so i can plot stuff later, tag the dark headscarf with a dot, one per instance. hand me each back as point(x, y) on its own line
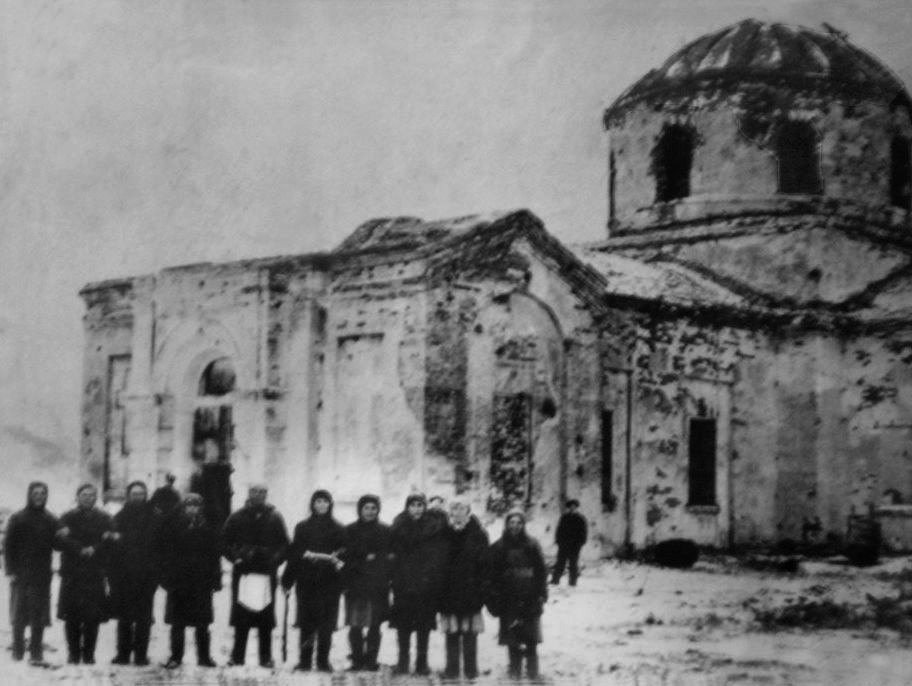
point(326, 495)
point(368, 498)
point(28, 494)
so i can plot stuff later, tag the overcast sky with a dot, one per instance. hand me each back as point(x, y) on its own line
point(139, 134)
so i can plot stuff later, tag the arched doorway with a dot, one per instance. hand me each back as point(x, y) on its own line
point(212, 438)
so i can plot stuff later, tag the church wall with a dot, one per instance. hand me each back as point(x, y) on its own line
point(107, 327)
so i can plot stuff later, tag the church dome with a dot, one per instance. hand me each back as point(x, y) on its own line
point(818, 64)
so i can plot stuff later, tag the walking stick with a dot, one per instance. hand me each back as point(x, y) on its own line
point(285, 628)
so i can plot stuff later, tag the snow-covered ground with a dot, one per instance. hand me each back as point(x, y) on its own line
point(625, 623)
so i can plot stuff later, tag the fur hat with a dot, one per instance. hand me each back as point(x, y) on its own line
point(573, 502)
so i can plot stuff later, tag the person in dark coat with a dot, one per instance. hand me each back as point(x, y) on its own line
point(570, 537)
point(83, 601)
point(314, 566)
point(213, 482)
point(191, 573)
point(464, 590)
point(420, 547)
point(368, 566)
point(133, 573)
point(519, 590)
point(256, 541)
point(165, 500)
point(30, 541)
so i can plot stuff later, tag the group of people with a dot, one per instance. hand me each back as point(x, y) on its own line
point(432, 567)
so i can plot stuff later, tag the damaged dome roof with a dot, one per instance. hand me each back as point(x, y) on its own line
point(821, 63)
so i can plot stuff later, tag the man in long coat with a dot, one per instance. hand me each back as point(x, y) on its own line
point(133, 574)
point(314, 566)
point(420, 549)
point(30, 540)
point(570, 537)
point(83, 600)
point(191, 573)
point(368, 567)
point(256, 542)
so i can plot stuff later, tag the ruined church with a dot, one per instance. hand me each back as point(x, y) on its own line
point(731, 363)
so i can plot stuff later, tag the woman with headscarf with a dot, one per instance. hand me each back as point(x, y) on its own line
point(420, 548)
point(464, 590)
point(191, 573)
point(133, 574)
point(519, 590)
point(27, 552)
point(368, 564)
point(82, 604)
point(314, 566)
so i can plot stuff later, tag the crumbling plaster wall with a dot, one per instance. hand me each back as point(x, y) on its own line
point(370, 411)
point(734, 156)
point(681, 370)
point(108, 330)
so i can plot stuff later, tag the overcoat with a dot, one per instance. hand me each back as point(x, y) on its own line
point(420, 550)
point(255, 542)
point(83, 580)
point(519, 588)
point(191, 570)
point(318, 584)
point(27, 555)
point(467, 580)
point(368, 568)
point(133, 562)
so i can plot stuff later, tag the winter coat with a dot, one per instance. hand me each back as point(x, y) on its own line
point(30, 541)
point(83, 594)
point(134, 565)
point(420, 549)
point(191, 570)
point(571, 531)
point(467, 580)
point(318, 583)
point(368, 563)
point(519, 588)
point(256, 542)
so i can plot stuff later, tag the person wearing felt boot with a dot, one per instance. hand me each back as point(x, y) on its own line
point(30, 541)
point(519, 590)
point(82, 604)
point(464, 590)
point(133, 574)
point(420, 548)
point(368, 564)
point(191, 573)
point(314, 566)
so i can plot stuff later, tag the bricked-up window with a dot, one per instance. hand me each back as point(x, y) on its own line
point(901, 172)
point(701, 470)
point(511, 451)
point(798, 153)
point(672, 160)
point(116, 449)
point(607, 457)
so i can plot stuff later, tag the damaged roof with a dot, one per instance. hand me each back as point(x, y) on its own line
point(409, 233)
point(668, 282)
point(824, 63)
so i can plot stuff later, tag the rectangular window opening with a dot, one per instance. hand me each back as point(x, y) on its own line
point(702, 462)
point(607, 459)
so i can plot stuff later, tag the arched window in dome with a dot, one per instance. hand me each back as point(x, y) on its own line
point(798, 153)
point(671, 162)
point(901, 172)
